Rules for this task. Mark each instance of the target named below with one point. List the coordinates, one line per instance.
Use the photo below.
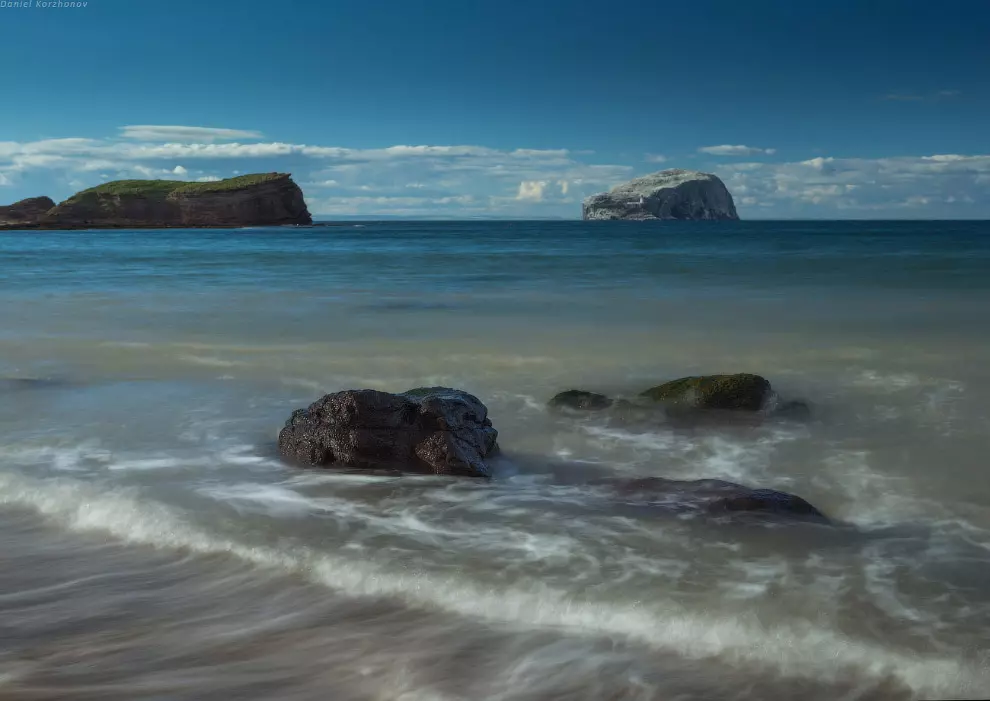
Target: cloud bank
(727, 150)
(480, 181)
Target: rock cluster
(735, 398)
(443, 431)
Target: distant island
(666, 194)
(261, 199)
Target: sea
(154, 546)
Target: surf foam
(799, 649)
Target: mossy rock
(738, 392)
(579, 400)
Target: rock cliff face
(25, 211)
(268, 199)
(667, 194)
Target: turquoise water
(155, 547)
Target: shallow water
(153, 546)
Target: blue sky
(508, 109)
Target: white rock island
(666, 194)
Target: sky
(857, 109)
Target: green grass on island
(160, 189)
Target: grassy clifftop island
(164, 188)
(260, 199)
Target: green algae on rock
(580, 400)
(741, 391)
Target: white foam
(210, 361)
(798, 649)
(67, 459)
(272, 499)
(528, 402)
(660, 442)
(312, 477)
(126, 344)
(891, 382)
(163, 463)
(709, 455)
(242, 455)
(871, 498)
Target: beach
(154, 546)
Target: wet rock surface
(739, 399)
(434, 430)
(715, 497)
(579, 400)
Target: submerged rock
(717, 497)
(741, 399)
(667, 194)
(739, 392)
(29, 383)
(435, 430)
(579, 400)
(793, 411)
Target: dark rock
(29, 383)
(434, 430)
(25, 211)
(579, 400)
(739, 392)
(260, 199)
(715, 497)
(766, 501)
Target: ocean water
(152, 545)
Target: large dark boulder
(715, 497)
(435, 430)
(739, 392)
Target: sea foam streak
(797, 650)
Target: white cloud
(471, 180)
(531, 190)
(207, 179)
(149, 132)
(655, 158)
(828, 187)
(738, 150)
(921, 97)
